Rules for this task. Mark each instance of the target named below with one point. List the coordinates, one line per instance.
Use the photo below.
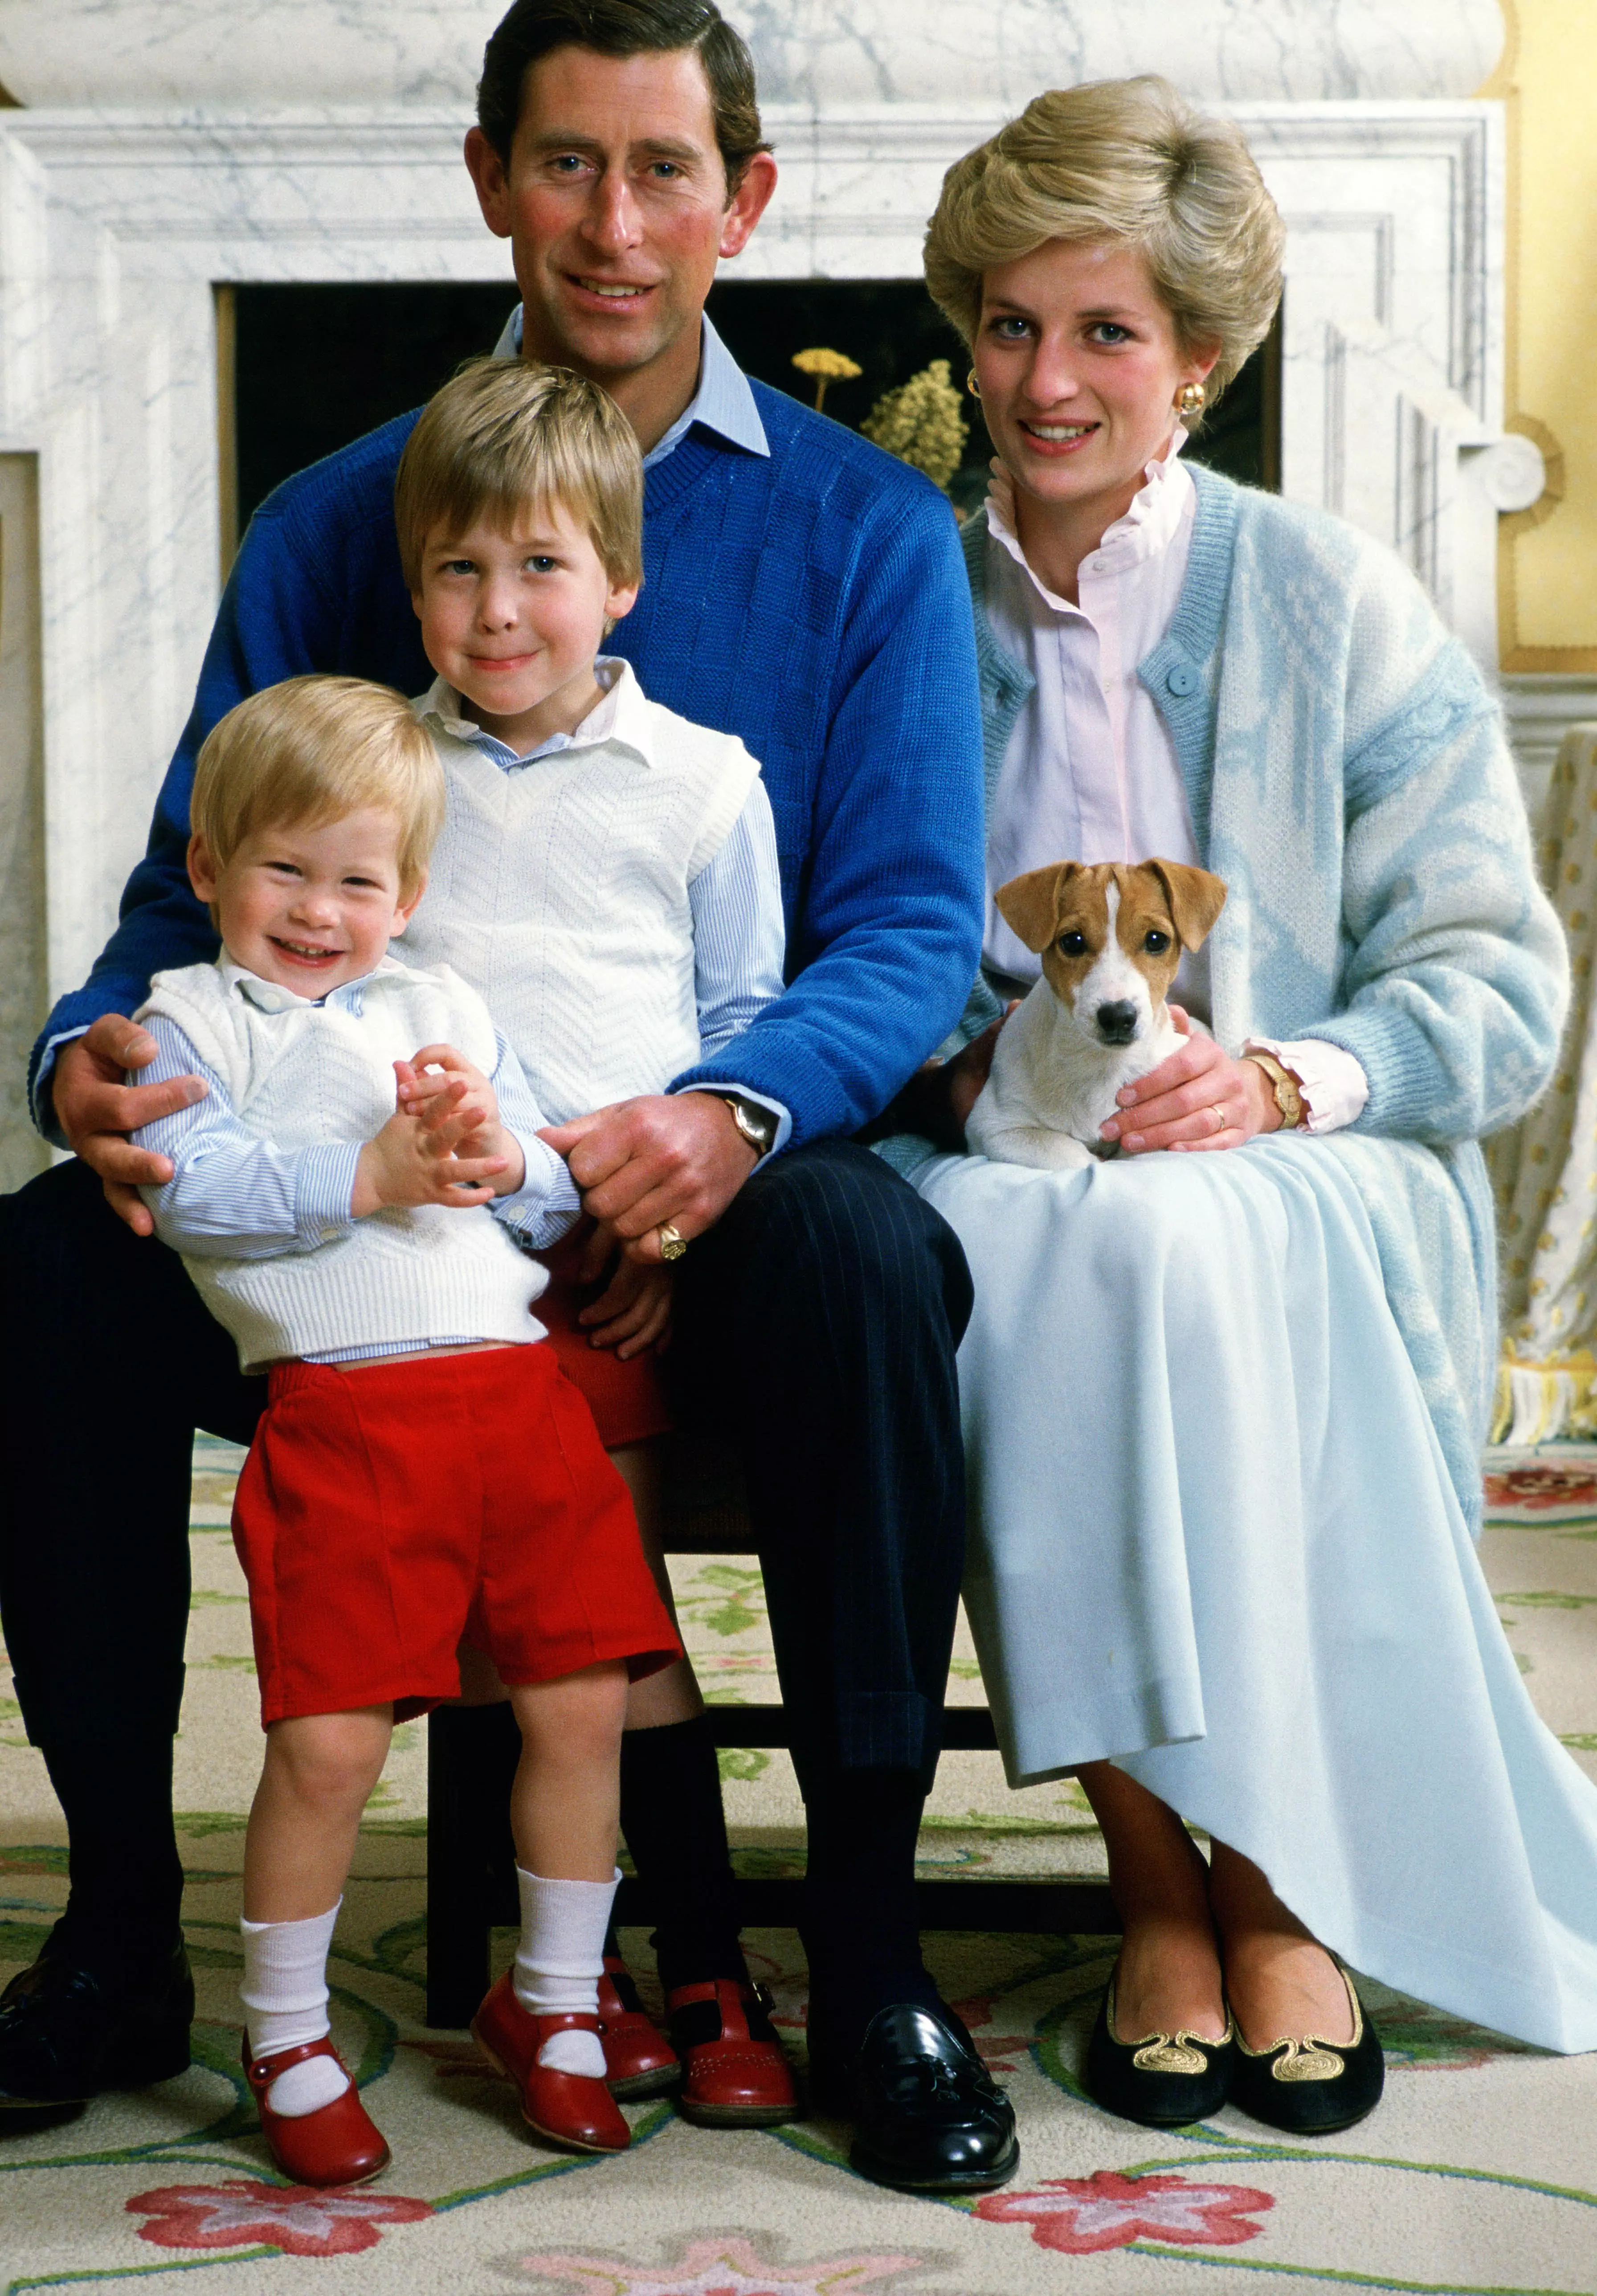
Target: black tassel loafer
(1165, 2081)
(67, 2034)
(928, 2117)
(1312, 2088)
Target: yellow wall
(1548, 565)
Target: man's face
(616, 207)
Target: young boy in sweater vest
(422, 1469)
(607, 877)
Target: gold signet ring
(672, 1243)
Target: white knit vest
(560, 889)
(317, 1075)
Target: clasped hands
(677, 1157)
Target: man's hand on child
(677, 1156)
(444, 1145)
(634, 1311)
(96, 1111)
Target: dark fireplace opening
(312, 367)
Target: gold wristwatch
(757, 1123)
(1289, 1099)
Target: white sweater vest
(315, 1075)
(560, 889)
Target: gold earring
(972, 385)
(1189, 398)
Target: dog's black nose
(1117, 1023)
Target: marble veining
(814, 54)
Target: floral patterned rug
(1478, 2174)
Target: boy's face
(513, 621)
(308, 908)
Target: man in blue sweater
(806, 592)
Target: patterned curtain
(1544, 1169)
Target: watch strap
(1285, 1085)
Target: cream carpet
(1478, 2174)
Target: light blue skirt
(1213, 1537)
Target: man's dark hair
(535, 29)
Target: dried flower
(921, 422)
(825, 366)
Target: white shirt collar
(1147, 530)
(722, 402)
(272, 996)
(620, 714)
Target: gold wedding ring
(1218, 1113)
(672, 1244)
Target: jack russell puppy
(1111, 937)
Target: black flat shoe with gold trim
(1312, 2088)
(1165, 2081)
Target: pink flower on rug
(297, 2218)
(1079, 2215)
(1543, 1487)
(997, 2051)
(717, 2268)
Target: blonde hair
(310, 751)
(1130, 163)
(506, 436)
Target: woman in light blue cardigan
(1224, 1411)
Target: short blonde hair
(1130, 163)
(309, 752)
(509, 436)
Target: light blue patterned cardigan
(1349, 778)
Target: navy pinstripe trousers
(817, 1327)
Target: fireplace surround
(165, 147)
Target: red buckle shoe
(638, 2059)
(338, 2144)
(571, 2109)
(734, 2074)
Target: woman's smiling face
(1079, 364)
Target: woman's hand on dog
(1199, 1098)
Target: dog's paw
(1035, 1145)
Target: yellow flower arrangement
(824, 367)
(921, 422)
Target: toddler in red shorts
(424, 1470)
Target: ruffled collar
(1146, 530)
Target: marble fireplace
(161, 148)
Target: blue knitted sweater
(813, 604)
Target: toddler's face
(308, 908)
(513, 621)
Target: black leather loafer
(928, 2117)
(1165, 2081)
(1312, 2088)
(66, 2034)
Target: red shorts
(627, 1400)
(387, 1512)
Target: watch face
(757, 1125)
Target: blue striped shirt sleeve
(739, 938)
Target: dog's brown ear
(1196, 898)
(1029, 906)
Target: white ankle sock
(561, 1959)
(284, 1993)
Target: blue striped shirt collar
(723, 402)
(620, 715)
